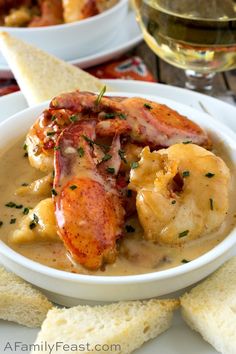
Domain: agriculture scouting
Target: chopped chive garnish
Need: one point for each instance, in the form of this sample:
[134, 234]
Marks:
[122, 155]
[101, 94]
[53, 117]
[26, 154]
[211, 204]
[1, 223]
[51, 133]
[34, 222]
[106, 157]
[185, 261]
[186, 174]
[122, 116]
[25, 146]
[10, 205]
[14, 205]
[104, 147]
[73, 118]
[57, 148]
[173, 202]
[134, 165]
[129, 193]
[147, 105]
[54, 192]
[19, 206]
[110, 170]
[73, 187]
[32, 225]
[209, 175]
[25, 184]
[187, 142]
[35, 218]
[88, 140]
[92, 143]
[80, 151]
[26, 211]
[13, 221]
[184, 233]
[109, 115]
[129, 228]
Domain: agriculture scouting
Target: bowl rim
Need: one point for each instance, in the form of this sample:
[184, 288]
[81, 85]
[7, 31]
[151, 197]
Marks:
[217, 251]
[62, 26]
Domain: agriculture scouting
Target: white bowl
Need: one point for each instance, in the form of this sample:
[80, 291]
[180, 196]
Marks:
[68, 288]
[77, 39]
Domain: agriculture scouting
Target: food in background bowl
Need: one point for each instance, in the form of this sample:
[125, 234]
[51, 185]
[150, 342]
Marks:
[81, 213]
[77, 39]
[37, 13]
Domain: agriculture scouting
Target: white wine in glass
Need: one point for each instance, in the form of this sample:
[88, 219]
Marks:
[198, 36]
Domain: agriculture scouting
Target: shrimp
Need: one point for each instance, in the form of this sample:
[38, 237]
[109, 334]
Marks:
[51, 14]
[41, 138]
[76, 10]
[88, 208]
[182, 193]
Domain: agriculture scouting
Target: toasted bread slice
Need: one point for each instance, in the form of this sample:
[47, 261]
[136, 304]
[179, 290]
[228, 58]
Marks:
[210, 308]
[125, 324]
[20, 302]
[42, 76]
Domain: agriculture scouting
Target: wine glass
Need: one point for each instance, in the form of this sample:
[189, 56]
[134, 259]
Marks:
[198, 36]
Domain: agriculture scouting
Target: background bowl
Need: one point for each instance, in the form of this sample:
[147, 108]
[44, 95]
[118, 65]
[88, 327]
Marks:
[73, 40]
[68, 288]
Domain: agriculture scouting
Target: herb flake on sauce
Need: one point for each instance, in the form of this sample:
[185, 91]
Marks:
[211, 204]
[134, 165]
[73, 118]
[183, 233]
[209, 175]
[110, 170]
[54, 192]
[26, 211]
[73, 187]
[148, 106]
[129, 228]
[101, 94]
[80, 151]
[186, 174]
[106, 157]
[122, 155]
[34, 222]
[10, 205]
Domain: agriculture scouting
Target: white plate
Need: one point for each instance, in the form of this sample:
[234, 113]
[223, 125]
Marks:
[179, 339]
[128, 37]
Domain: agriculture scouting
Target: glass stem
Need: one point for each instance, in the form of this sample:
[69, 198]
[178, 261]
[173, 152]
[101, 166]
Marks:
[202, 82]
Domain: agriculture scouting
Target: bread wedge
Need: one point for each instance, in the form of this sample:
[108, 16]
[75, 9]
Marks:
[210, 308]
[121, 327]
[40, 75]
[20, 302]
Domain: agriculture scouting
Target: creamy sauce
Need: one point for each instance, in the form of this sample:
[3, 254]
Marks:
[136, 255]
